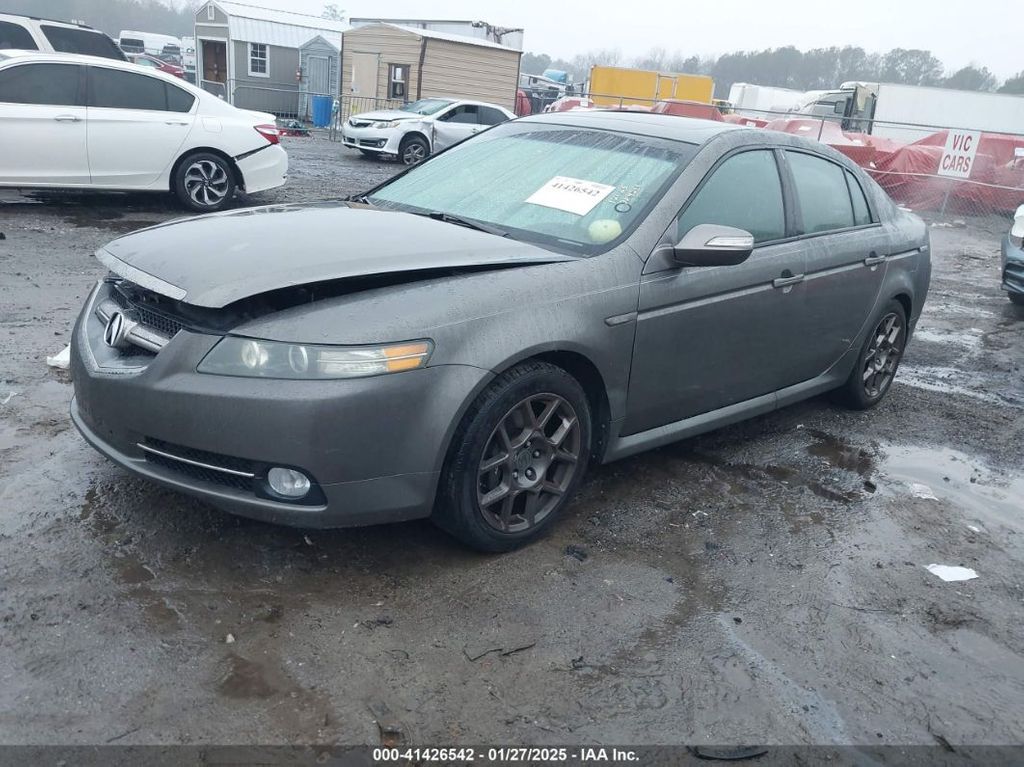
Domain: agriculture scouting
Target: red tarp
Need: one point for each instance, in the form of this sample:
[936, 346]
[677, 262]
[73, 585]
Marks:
[910, 175]
[909, 172]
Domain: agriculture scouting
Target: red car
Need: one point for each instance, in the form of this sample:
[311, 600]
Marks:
[684, 108]
[144, 60]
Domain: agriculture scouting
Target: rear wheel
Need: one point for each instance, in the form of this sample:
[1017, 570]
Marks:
[413, 150]
[204, 182]
[878, 361]
[518, 457]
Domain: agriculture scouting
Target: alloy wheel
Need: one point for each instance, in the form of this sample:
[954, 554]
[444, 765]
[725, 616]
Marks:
[414, 153]
[206, 182]
[883, 355]
[529, 463]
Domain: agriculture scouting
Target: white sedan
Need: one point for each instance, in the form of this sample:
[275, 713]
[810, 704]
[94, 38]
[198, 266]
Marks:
[80, 122]
[416, 130]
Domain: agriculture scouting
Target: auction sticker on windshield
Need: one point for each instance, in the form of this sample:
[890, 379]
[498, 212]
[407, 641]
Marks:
[572, 195]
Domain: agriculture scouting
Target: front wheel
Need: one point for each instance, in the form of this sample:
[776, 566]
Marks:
[204, 182]
[517, 458]
[878, 361]
[414, 150]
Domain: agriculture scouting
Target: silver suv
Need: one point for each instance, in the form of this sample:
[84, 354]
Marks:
[29, 33]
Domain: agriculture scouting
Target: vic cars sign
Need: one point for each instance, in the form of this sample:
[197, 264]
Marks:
[958, 155]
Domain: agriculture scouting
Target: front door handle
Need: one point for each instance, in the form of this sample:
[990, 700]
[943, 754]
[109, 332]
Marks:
[784, 282]
[67, 119]
[874, 259]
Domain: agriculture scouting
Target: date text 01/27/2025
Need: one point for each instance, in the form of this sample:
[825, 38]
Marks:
[507, 754]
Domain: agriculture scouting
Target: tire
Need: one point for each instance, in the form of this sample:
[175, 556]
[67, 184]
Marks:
[538, 462]
[413, 150]
[878, 360]
[1016, 298]
[204, 182]
[370, 153]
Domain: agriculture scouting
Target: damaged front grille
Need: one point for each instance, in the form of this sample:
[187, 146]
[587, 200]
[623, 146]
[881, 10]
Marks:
[137, 326]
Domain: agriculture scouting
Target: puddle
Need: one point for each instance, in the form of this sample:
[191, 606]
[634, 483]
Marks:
[247, 679]
[959, 480]
[132, 572]
[840, 455]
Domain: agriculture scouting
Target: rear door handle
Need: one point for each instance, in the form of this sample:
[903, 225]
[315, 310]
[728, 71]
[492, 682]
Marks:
[67, 119]
[782, 282]
[176, 122]
[874, 259]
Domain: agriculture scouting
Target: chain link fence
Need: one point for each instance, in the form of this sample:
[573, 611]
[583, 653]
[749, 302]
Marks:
[288, 101]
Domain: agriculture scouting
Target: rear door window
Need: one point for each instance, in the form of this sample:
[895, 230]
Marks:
[115, 89]
[822, 193]
[861, 212]
[16, 37]
[745, 191]
[85, 41]
[50, 84]
[178, 99]
[491, 116]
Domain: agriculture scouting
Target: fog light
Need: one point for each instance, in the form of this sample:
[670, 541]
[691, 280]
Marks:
[288, 482]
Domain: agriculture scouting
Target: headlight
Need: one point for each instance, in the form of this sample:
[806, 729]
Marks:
[234, 356]
[386, 124]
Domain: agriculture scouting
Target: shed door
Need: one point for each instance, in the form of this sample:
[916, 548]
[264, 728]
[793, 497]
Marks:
[320, 75]
[364, 74]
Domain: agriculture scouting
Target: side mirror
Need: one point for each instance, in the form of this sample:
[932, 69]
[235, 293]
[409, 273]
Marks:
[713, 245]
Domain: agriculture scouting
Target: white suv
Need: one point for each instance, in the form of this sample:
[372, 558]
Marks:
[28, 33]
[84, 122]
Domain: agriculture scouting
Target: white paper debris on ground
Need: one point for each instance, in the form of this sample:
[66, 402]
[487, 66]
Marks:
[229, 639]
[974, 529]
[952, 572]
[920, 490]
[61, 359]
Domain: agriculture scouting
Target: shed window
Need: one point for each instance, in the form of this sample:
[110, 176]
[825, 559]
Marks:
[398, 78]
[211, 13]
[259, 63]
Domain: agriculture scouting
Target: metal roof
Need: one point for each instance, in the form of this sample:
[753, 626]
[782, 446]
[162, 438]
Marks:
[256, 24]
[431, 34]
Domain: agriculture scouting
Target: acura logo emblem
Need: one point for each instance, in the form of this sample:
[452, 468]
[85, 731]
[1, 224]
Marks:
[116, 332]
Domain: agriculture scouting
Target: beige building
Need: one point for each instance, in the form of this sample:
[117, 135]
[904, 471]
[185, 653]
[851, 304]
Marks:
[390, 63]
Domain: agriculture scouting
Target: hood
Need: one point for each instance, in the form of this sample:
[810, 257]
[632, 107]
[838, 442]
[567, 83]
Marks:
[388, 114]
[215, 260]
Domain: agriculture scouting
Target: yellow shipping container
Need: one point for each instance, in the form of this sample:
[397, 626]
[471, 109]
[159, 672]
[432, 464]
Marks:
[612, 86]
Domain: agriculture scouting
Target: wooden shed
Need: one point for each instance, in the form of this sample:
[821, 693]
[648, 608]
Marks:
[387, 63]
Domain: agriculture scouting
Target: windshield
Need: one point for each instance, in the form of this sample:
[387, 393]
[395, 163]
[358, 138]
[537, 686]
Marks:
[426, 106]
[570, 189]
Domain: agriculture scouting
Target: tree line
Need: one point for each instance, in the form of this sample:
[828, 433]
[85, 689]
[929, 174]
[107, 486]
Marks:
[788, 67]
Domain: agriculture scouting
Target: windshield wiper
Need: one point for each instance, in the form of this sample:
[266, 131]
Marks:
[469, 223]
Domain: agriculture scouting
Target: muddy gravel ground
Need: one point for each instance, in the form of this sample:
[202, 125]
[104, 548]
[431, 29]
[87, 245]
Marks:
[764, 583]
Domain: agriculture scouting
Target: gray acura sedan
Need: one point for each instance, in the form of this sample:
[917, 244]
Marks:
[462, 341]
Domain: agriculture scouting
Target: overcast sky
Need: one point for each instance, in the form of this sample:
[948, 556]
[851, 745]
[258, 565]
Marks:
[988, 32]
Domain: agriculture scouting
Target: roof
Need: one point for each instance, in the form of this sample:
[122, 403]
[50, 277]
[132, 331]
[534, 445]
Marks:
[688, 129]
[287, 29]
[432, 35]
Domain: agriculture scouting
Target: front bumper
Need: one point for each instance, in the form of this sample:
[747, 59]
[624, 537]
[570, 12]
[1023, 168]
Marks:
[1013, 267]
[265, 169]
[383, 140]
[373, 446]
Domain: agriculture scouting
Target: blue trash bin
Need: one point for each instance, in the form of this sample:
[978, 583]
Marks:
[322, 111]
